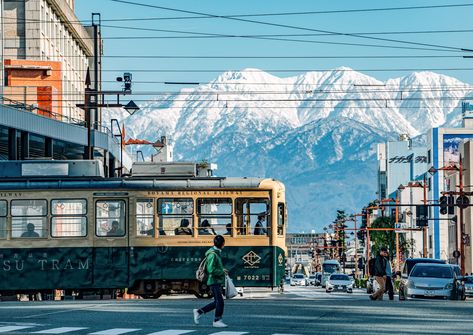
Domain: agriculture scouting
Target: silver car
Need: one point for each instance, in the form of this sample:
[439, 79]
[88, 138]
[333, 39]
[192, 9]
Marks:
[468, 286]
[432, 281]
[299, 280]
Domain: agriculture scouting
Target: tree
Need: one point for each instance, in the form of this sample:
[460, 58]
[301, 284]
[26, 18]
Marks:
[387, 238]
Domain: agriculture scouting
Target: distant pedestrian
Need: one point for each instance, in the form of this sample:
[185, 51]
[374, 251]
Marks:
[389, 279]
[215, 280]
[380, 274]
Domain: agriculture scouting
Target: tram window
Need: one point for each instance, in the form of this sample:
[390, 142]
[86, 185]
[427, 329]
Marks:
[29, 218]
[175, 216]
[110, 218]
[281, 218]
[3, 219]
[215, 216]
[69, 218]
[253, 216]
[145, 217]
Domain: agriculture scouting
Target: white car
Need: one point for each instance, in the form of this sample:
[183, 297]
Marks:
[339, 282]
[299, 280]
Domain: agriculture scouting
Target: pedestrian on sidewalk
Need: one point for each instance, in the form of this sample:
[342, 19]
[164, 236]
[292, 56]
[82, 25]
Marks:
[216, 279]
[389, 279]
[380, 274]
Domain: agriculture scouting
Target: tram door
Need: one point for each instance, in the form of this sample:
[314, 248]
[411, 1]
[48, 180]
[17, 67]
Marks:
[111, 242]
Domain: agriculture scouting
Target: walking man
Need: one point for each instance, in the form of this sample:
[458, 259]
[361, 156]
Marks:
[215, 280]
[380, 274]
[389, 280]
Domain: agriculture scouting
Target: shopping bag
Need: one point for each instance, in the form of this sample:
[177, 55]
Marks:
[230, 289]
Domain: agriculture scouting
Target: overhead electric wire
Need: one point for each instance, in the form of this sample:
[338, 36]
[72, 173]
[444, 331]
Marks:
[290, 26]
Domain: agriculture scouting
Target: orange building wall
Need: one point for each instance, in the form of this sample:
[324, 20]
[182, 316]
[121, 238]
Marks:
[48, 84]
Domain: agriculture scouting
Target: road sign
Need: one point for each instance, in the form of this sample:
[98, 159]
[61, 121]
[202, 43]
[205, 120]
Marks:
[463, 201]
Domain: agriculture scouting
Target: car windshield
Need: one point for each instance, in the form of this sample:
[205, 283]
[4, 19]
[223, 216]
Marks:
[330, 268]
[432, 272]
[298, 276]
[469, 280]
[339, 277]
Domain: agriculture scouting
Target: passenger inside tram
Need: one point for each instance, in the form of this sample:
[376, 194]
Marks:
[184, 228]
[30, 231]
[206, 229]
[260, 226]
[115, 230]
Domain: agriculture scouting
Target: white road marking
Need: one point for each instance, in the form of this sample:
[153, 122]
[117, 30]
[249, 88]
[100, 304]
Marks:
[172, 332]
[229, 333]
[284, 334]
[60, 330]
[7, 329]
[115, 331]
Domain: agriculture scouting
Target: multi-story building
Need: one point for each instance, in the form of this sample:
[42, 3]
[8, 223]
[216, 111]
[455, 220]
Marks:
[443, 151]
[399, 162]
[38, 36]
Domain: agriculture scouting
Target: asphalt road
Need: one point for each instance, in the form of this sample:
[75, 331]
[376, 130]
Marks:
[298, 311]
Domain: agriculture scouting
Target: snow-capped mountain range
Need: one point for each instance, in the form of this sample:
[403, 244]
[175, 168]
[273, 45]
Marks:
[316, 131]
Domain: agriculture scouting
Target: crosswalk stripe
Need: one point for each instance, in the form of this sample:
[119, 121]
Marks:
[115, 331]
[60, 330]
[284, 334]
[7, 329]
[229, 333]
[172, 332]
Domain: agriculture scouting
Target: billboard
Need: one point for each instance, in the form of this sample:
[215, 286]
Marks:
[451, 147]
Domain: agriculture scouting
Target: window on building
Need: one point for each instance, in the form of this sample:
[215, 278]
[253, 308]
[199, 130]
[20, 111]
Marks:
[29, 218]
[252, 216]
[110, 218]
[175, 216]
[69, 218]
[3, 218]
[145, 217]
[215, 216]
[429, 158]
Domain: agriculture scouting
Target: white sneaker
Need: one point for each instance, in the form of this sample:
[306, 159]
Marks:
[197, 316]
[219, 324]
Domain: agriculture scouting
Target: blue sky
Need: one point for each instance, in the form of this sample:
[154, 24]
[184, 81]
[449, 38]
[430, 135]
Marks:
[405, 20]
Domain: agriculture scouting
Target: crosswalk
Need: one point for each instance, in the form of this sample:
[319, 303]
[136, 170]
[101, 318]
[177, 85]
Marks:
[33, 329]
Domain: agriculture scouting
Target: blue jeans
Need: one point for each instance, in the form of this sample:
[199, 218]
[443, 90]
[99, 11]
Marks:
[217, 304]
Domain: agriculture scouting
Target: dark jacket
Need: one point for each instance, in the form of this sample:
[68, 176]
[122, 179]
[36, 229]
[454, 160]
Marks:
[380, 266]
[215, 267]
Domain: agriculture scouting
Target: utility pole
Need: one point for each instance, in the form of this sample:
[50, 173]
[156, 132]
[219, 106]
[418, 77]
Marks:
[424, 232]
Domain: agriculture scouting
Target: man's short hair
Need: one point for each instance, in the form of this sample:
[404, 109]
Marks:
[383, 249]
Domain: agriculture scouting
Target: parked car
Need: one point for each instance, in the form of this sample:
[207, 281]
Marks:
[339, 282]
[407, 269]
[299, 280]
[468, 283]
[433, 281]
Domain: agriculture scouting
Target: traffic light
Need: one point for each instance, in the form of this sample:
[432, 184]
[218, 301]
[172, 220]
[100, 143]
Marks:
[451, 205]
[422, 215]
[443, 202]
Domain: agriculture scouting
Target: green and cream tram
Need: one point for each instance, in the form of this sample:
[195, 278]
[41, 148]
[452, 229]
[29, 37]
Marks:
[147, 235]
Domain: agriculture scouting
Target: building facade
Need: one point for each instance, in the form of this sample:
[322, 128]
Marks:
[41, 33]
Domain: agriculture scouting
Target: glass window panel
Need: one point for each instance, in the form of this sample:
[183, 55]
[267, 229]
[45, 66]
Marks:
[175, 206]
[3, 208]
[29, 207]
[110, 218]
[172, 225]
[253, 216]
[215, 206]
[69, 226]
[281, 219]
[29, 227]
[69, 207]
[145, 217]
[3, 227]
[215, 226]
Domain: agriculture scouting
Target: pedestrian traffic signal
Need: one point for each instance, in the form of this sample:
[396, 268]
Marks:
[443, 202]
